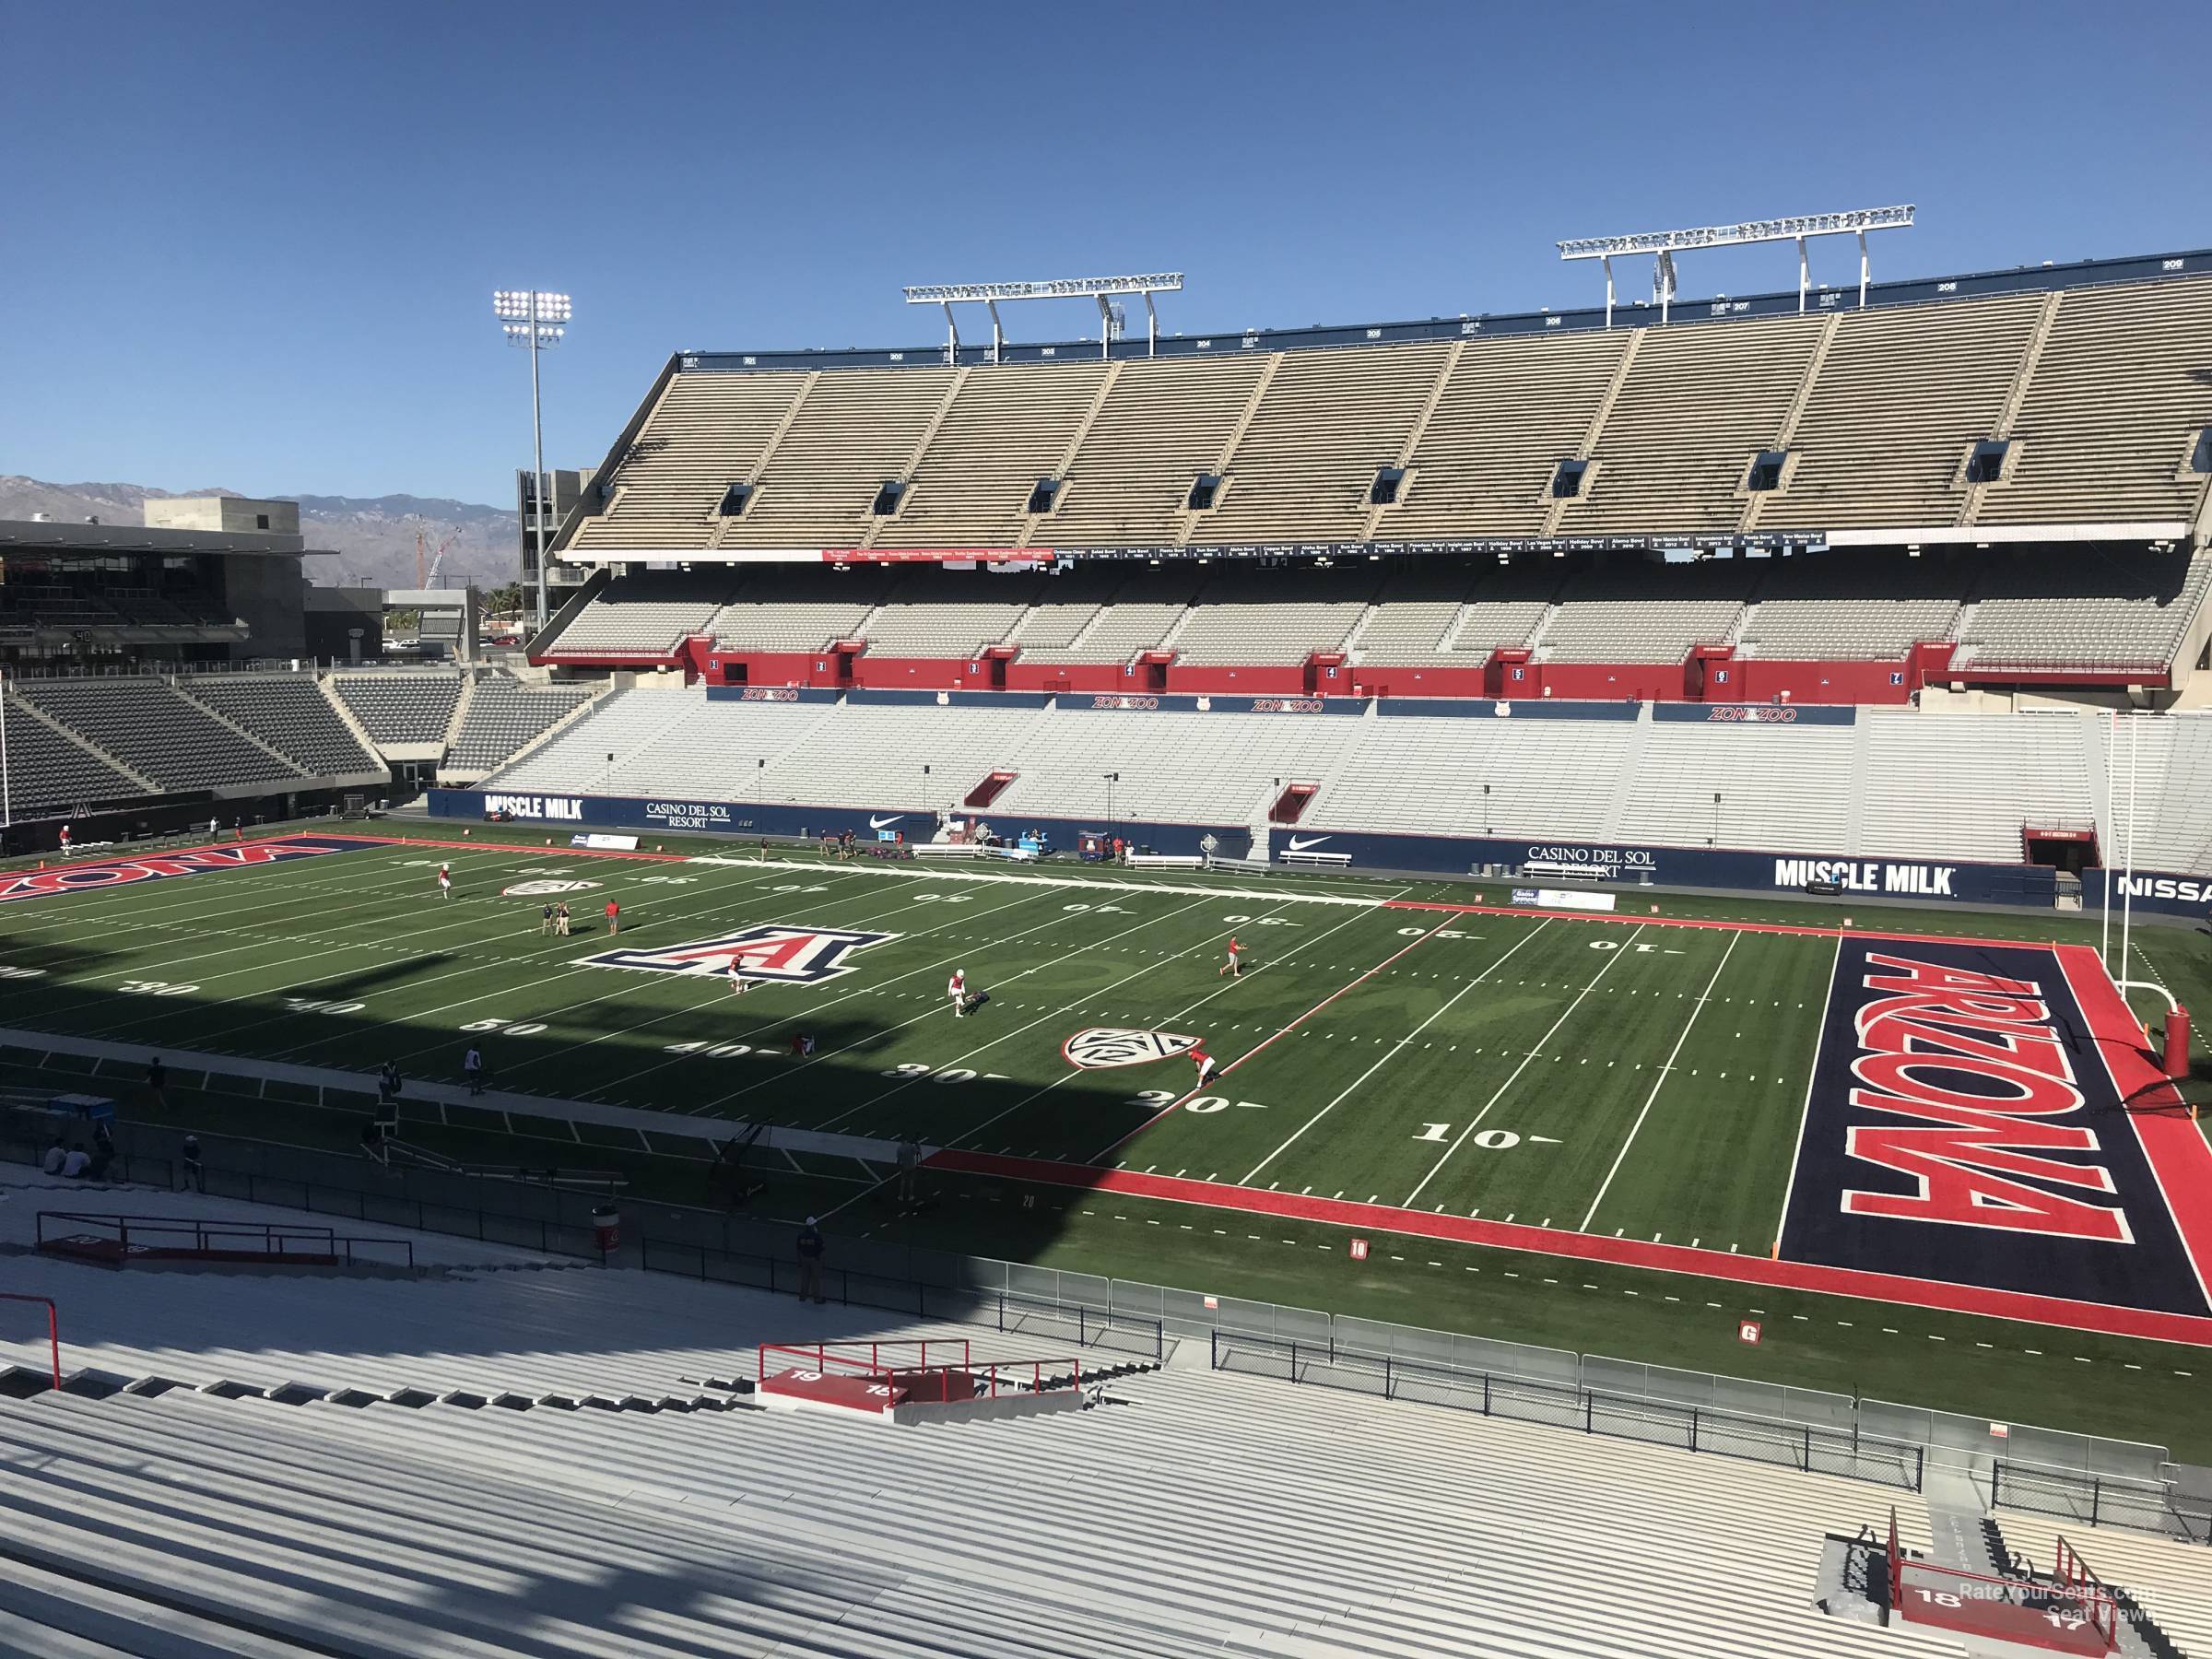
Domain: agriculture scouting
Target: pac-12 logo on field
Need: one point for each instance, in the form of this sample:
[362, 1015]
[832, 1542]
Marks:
[544, 889]
[773, 950]
[1096, 1047]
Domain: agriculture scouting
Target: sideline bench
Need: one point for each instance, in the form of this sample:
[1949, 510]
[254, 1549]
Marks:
[1338, 861]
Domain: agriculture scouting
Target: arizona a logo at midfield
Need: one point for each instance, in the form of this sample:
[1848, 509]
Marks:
[773, 951]
[1097, 1047]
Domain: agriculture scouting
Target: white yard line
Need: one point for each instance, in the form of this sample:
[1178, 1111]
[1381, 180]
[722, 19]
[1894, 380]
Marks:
[472, 966]
[1665, 1071]
[613, 988]
[919, 872]
[816, 1010]
[882, 1095]
[1179, 1014]
[1461, 1139]
[1812, 1081]
[1172, 1106]
[1394, 1050]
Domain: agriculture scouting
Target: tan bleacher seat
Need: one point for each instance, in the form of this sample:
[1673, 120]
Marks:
[1327, 421]
[1698, 401]
[2119, 395]
[706, 433]
[1165, 422]
[855, 429]
[1512, 409]
[1901, 396]
[1009, 427]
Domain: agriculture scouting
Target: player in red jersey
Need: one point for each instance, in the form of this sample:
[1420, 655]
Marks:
[446, 882]
[956, 990]
[1205, 1061]
[1234, 967]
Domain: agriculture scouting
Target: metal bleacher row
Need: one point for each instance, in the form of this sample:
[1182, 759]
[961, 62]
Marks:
[2098, 390]
[393, 1511]
[2110, 610]
[1893, 783]
[75, 744]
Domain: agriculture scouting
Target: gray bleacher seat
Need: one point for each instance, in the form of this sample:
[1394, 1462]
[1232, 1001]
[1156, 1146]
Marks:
[504, 714]
[48, 775]
[155, 730]
[405, 708]
[290, 714]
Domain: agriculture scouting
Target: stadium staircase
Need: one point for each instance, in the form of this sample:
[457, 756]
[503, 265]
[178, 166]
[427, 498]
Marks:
[2066, 1607]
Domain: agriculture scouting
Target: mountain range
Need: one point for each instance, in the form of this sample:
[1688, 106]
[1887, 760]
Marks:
[374, 537]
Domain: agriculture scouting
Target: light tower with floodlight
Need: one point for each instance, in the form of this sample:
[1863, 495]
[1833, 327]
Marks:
[536, 321]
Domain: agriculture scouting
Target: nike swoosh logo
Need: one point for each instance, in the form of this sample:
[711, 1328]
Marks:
[877, 823]
[1312, 840]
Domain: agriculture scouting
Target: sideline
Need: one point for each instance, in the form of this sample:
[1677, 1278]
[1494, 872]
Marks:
[421, 1092]
[2105, 1318]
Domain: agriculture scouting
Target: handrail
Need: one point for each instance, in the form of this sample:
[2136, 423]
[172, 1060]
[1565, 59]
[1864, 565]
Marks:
[1699, 1421]
[275, 1238]
[988, 1380]
[53, 1329]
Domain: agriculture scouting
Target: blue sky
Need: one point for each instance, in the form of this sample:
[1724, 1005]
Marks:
[254, 245]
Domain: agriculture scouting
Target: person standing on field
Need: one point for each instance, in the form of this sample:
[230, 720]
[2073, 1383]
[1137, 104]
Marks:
[614, 918]
[446, 882]
[810, 1246]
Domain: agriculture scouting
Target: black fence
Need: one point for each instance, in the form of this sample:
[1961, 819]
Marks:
[727, 1248]
[2099, 1500]
[1007, 1310]
[1566, 1406]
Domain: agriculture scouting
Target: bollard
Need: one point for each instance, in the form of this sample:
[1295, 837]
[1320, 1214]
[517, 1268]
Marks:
[2177, 1044]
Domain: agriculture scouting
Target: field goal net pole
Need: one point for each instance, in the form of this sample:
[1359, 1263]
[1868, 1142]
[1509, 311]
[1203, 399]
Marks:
[53, 1330]
[2127, 875]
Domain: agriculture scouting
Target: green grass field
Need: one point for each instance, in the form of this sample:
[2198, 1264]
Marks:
[1619, 1079]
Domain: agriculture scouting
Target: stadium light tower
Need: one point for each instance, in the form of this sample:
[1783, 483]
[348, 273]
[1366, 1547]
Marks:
[1662, 245]
[537, 322]
[1100, 289]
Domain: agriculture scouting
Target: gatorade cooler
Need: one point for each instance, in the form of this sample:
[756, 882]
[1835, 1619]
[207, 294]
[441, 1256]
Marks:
[606, 1226]
[2177, 1044]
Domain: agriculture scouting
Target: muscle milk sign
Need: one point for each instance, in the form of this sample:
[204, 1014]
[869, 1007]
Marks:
[1962, 1125]
[1867, 876]
[563, 808]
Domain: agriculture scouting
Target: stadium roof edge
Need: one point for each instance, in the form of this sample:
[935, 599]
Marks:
[2087, 273]
[31, 535]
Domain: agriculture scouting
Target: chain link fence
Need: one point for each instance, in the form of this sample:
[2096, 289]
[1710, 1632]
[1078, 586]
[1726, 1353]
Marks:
[1533, 1383]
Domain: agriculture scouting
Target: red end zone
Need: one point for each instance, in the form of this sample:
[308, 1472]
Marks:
[98, 875]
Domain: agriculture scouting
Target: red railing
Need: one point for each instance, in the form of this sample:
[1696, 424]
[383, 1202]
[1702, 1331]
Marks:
[53, 1329]
[2070, 1580]
[925, 1381]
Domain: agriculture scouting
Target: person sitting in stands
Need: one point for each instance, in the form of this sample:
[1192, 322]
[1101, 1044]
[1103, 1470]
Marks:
[56, 1154]
[76, 1164]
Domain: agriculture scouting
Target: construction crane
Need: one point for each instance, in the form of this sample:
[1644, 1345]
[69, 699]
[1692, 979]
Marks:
[437, 561]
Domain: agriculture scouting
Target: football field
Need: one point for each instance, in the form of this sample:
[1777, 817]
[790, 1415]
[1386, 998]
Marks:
[1666, 1088]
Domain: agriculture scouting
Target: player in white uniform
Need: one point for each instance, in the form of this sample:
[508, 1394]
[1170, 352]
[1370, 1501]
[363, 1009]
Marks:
[956, 989]
[446, 882]
[739, 984]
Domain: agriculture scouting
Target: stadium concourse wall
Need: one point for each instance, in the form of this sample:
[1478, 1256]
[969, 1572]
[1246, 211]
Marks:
[1607, 866]
[1703, 678]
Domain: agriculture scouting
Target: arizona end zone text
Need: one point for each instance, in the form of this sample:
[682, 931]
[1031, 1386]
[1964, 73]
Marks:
[1963, 1124]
